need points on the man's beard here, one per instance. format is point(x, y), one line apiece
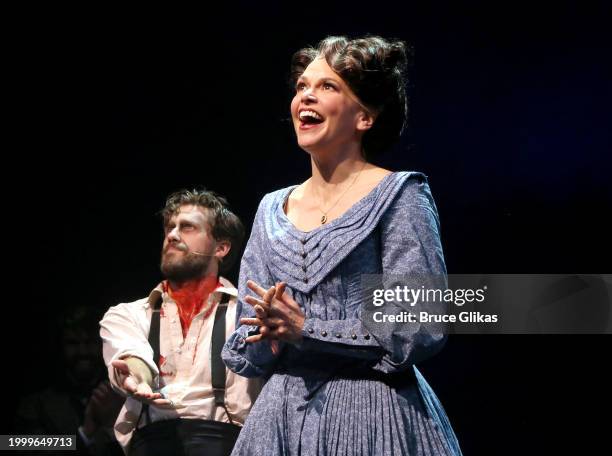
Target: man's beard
point(189, 267)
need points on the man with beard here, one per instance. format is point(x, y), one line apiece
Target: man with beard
point(163, 352)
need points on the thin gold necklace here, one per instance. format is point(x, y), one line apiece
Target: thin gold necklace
point(324, 217)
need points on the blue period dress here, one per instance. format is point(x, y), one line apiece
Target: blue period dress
point(349, 387)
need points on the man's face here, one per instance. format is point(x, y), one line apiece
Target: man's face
point(189, 251)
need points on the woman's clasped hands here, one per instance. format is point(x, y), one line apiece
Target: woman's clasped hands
point(277, 315)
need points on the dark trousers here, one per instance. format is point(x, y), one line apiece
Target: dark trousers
point(184, 438)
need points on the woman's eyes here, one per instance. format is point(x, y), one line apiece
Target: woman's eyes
point(300, 86)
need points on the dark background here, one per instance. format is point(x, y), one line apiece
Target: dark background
point(510, 119)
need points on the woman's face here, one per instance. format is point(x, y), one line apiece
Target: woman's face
point(325, 112)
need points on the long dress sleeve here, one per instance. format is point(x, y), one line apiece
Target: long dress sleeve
point(250, 359)
point(337, 392)
point(410, 246)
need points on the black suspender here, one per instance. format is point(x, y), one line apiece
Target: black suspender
point(217, 368)
point(155, 301)
point(218, 373)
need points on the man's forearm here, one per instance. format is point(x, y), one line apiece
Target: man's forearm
point(140, 370)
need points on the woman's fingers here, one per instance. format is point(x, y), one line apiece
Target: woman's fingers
point(254, 301)
point(274, 346)
point(262, 322)
point(264, 309)
point(273, 322)
point(269, 295)
point(289, 302)
point(278, 333)
point(263, 303)
point(260, 312)
point(280, 289)
point(253, 339)
point(264, 331)
point(254, 286)
point(251, 321)
point(259, 291)
point(284, 298)
point(275, 313)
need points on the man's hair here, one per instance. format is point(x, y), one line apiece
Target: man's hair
point(224, 224)
point(375, 70)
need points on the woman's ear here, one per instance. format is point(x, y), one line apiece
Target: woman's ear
point(365, 120)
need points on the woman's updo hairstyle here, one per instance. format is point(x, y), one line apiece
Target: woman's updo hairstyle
point(375, 70)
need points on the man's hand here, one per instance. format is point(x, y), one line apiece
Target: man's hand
point(279, 317)
point(134, 376)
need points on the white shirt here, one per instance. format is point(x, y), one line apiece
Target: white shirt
point(185, 368)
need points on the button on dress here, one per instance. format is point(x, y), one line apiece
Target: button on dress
point(349, 387)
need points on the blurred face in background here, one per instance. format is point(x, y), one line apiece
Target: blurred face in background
point(82, 352)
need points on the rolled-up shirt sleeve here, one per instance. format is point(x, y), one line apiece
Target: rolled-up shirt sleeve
point(124, 331)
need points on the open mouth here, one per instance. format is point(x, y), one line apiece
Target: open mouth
point(309, 118)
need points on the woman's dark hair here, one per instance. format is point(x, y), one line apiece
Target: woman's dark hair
point(224, 224)
point(375, 70)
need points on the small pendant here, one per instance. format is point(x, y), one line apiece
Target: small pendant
point(323, 219)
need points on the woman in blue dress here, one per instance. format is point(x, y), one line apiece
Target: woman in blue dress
point(337, 382)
